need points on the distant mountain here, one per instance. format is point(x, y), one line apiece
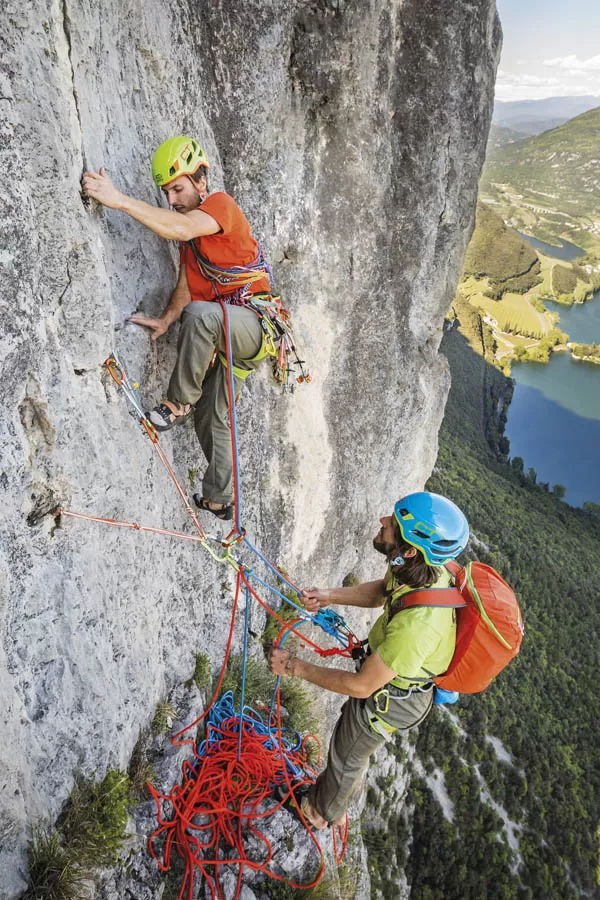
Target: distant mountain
point(536, 116)
point(550, 183)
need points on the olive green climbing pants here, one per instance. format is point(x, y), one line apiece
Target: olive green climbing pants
point(195, 381)
point(354, 741)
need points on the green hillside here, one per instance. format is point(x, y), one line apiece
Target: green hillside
point(550, 183)
point(498, 253)
point(507, 282)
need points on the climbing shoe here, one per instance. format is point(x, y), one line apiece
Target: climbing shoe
point(163, 418)
point(295, 802)
point(225, 511)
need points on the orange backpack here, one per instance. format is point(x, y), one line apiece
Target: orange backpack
point(489, 626)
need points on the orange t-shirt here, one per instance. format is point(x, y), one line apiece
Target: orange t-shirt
point(232, 246)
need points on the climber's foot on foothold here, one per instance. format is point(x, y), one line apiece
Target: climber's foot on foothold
point(316, 820)
point(297, 803)
point(167, 414)
point(220, 510)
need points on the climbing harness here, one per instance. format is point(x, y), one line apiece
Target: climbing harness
point(275, 320)
point(245, 754)
point(235, 278)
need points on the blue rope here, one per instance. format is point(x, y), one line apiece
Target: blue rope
point(274, 590)
point(270, 565)
point(232, 416)
point(244, 662)
point(224, 710)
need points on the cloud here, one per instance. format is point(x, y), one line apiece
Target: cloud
point(572, 77)
point(527, 80)
point(573, 64)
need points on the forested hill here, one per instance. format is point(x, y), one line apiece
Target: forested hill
point(525, 811)
point(560, 164)
point(498, 253)
point(549, 185)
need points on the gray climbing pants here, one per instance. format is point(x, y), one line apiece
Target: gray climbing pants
point(352, 744)
point(193, 381)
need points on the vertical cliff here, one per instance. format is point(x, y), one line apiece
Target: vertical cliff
point(352, 134)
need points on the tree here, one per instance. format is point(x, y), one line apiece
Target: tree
point(517, 464)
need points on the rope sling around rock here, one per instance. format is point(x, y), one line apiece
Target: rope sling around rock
point(251, 749)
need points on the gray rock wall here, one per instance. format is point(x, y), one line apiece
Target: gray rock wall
point(352, 134)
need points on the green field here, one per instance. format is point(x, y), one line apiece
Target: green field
point(514, 314)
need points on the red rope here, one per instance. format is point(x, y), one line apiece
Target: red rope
point(219, 799)
point(133, 525)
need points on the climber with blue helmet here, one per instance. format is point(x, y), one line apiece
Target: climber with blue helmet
point(219, 259)
point(393, 689)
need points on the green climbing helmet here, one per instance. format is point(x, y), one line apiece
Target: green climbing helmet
point(177, 156)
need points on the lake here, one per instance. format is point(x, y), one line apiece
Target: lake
point(554, 417)
point(566, 250)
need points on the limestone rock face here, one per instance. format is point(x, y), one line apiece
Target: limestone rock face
point(352, 134)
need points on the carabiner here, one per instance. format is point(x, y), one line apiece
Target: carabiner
point(382, 706)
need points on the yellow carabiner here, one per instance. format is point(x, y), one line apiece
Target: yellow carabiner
point(225, 558)
point(386, 704)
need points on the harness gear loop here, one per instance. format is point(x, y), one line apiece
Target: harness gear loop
point(381, 727)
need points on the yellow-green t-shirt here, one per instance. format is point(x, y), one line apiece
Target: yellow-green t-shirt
point(417, 643)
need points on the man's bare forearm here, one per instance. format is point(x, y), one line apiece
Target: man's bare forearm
point(337, 680)
point(177, 303)
point(368, 595)
point(164, 222)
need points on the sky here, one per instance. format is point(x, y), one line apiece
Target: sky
point(550, 49)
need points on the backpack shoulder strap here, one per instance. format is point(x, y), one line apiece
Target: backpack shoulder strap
point(453, 567)
point(449, 598)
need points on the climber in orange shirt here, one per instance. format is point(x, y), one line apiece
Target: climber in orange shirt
point(219, 258)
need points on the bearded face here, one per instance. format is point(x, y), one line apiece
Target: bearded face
point(386, 539)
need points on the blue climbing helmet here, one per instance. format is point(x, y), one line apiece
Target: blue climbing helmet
point(434, 525)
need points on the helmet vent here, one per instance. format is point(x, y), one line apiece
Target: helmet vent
point(444, 543)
